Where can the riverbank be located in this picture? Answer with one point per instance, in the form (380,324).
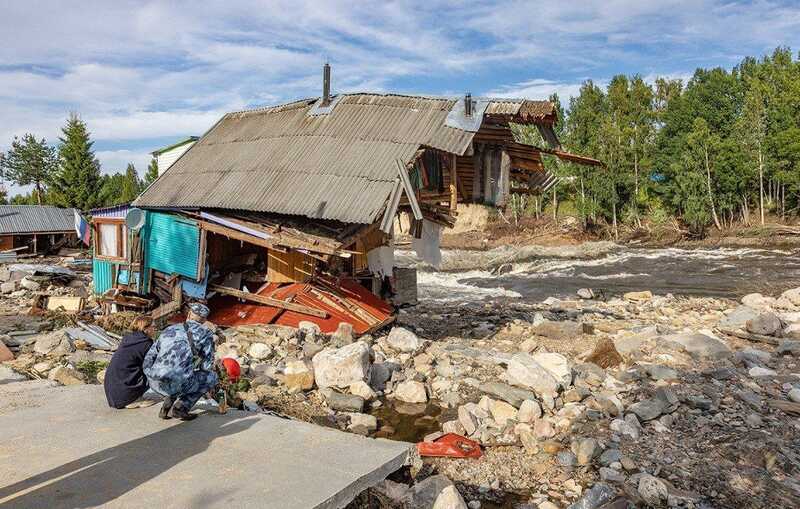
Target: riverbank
(484,232)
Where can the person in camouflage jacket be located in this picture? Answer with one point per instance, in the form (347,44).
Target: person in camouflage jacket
(180,364)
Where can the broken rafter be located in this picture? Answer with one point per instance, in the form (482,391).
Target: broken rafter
(268,301)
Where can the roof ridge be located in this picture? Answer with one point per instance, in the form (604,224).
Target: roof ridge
(310,100)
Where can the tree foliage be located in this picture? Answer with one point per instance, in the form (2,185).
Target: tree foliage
(29,161)
(76,183)
(713,151)
(152,173)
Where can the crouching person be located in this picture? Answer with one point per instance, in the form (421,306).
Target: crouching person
(125,381)
(180,364)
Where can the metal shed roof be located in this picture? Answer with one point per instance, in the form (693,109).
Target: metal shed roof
(338,166)
(22,219)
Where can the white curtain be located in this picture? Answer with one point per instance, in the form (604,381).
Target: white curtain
(108,240)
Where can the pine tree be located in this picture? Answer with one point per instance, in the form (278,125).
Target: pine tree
(131,185)
(152,173)
(29,161)
(77,182)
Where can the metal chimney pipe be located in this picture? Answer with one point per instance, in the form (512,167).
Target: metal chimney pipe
(326,84)
(468,104)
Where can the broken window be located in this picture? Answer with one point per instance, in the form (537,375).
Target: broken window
(110,240)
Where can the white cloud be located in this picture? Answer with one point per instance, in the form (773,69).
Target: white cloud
(116,161)
(139,70)
(540,89)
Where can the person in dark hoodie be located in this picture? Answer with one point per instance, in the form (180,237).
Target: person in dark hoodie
(125,381)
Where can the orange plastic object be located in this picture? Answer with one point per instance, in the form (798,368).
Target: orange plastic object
(450,446)
(232,368)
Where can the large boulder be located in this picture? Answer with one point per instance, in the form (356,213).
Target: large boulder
(342,402)
(700,346)
(341,367)
(765,324)
(67,376)
(758,301)
(298,375)
(411,392)
(259,351)
(30,284)
(792,296)
(449,498)
(502,412)
(427,491)
(543,373)
(564,330)
(55,343)
(513,395)
(403,340)
(738,318)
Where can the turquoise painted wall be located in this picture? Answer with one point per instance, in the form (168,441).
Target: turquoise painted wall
(172,244)
(102,273)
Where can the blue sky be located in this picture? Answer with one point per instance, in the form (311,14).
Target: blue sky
(144,74)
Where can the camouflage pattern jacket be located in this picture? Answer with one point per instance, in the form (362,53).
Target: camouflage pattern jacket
(170,362)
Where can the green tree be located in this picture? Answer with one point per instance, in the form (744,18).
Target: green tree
(152,172)
(753,133)
(76,184)
(29,161)
(131,185)
(702,146)
(582,136)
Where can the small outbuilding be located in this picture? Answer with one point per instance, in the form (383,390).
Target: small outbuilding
(36,229)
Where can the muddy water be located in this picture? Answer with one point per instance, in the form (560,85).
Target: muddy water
(408,422)
(721,272)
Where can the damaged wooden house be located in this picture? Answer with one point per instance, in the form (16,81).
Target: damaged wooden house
(285,214)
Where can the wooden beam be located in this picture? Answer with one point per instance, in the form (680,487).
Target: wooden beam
(252,239)
(453,183)
(268,301)
(409,189)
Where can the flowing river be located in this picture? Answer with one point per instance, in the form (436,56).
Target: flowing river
(718,272)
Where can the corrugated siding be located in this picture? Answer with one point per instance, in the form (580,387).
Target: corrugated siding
(172,244)
(35,218)
(102,273)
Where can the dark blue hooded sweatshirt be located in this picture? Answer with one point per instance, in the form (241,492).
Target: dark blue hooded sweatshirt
(125,381)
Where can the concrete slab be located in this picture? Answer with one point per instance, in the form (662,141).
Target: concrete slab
(62,447)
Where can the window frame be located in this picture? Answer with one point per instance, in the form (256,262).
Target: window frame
(122,232)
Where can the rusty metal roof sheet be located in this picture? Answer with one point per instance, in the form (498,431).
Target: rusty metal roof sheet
(337,166)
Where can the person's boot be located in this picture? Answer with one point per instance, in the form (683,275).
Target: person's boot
(181,412)
(166,407)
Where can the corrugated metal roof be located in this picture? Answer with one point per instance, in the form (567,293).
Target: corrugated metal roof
(22,219)
(115,211)
(336,166)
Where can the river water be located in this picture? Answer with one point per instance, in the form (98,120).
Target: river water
(718,272)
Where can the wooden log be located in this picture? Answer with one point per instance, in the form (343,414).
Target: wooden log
(741,334)
(790,407)
(165,310)
(268,301)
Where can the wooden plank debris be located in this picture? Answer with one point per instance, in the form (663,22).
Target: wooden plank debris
(269,301)
(68,304)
